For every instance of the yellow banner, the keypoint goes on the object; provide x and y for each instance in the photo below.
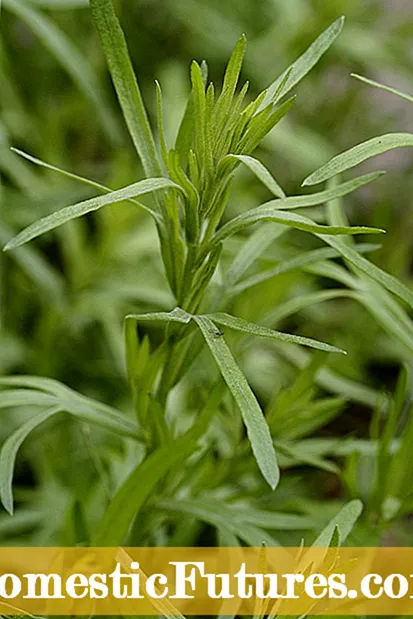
(206, 581)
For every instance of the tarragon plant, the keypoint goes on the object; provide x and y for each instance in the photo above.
(191, 187)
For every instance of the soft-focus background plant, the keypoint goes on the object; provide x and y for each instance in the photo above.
(64, 296)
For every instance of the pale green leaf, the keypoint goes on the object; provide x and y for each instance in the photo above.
(293, 220)
(221, 516)
(253, 247)
(176, 315)
(370, 269)
(344, 520)
(126, 86)
(82, 208)
(393, 91)
(300, 455)
(9, 451)
(238, 324)
(76, 177)
(358, 154)
(47, 392)
(257, 428)
(260, 172)
(305, 62)
(231, 77)
(298, 262)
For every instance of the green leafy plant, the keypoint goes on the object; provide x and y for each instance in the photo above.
(191, 210)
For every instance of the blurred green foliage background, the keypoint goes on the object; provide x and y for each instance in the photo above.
(63, 297)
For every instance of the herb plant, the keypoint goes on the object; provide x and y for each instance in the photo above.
(173, 469)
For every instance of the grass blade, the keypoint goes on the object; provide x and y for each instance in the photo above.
(126, 86)
(82, 208)
(257, 428)
(358, 154)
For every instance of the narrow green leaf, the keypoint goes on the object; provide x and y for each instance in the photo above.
(329, 194)
(176, 315)
(370, 269)
(393, 91)
(257, 428)
(49, 166)
(183, 142)
(82, 208)
(198, 94)
(300, 455)
(260, 172)
(140, 484)
(261, 125)
(9, 451)
(24, 397)
(314, 199)
(159, 108)
(298, 262)
(76, 177)
(49, 385)
(293, 220)
(220, 516)
(126, 86)
(286, 309)
(238, 324)
(344, 520)
(358, 154)
(240, 515)
(254, 246)
(46, 392)
(305, 62)
(231, 78)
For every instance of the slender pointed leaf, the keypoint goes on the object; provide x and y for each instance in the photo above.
(305, 62)
(358, 154)
(176, 315)
(393, 91)
(76, 177)
(82, 208)
(126, 86)
(344, 520)
(257, 428)
(9, 451)
(293, 220)
(260, 172)
(370, 269)
(238, 324)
